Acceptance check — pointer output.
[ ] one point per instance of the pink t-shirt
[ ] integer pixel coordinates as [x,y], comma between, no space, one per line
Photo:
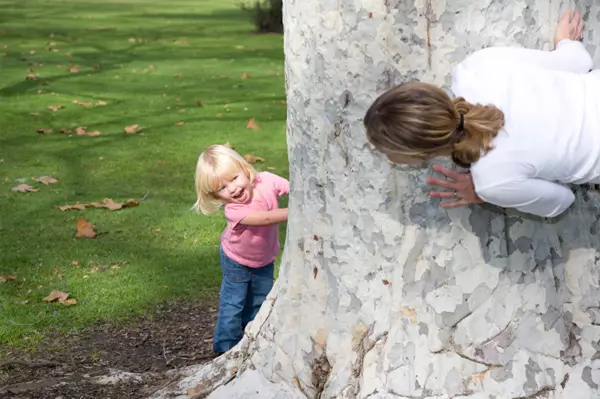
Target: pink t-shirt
[254,246]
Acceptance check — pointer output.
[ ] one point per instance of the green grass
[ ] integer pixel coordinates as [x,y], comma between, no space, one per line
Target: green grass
[149,61]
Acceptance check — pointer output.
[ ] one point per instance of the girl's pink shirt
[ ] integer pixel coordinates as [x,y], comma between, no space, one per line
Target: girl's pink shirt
[254,246]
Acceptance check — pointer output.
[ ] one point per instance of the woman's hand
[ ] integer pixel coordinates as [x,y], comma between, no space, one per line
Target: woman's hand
[461,188]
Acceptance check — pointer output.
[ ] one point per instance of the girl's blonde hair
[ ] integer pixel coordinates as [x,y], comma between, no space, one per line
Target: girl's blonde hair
[216,164]
[420,120]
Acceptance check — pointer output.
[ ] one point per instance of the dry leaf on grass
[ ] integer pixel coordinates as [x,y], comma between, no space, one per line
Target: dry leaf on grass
[66,131]
[85,228]
[83,104]
[74,69]
[69,207]
[22,188]
[252,159]
[101,103]
[31,76]
[132,129]
[252,124]
[199,103]
[107,203]
[61,297]
[55,107]
[82,131]
[46,180]
[179,123]
[4,279]
[245,75]
[44,131]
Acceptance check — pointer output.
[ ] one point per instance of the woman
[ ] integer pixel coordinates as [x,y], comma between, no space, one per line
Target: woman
[526,122]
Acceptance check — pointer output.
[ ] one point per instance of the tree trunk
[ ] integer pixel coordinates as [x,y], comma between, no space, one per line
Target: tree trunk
[382,294]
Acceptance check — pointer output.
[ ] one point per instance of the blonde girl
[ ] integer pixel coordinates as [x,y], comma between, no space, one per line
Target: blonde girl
[250,241]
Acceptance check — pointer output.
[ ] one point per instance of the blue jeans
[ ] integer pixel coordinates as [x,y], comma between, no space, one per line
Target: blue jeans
[243,290]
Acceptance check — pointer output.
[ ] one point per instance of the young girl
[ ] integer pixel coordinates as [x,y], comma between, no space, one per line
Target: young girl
[526,122]
[250,242]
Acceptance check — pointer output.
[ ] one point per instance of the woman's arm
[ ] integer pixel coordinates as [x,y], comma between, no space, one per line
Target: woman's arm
[535,196]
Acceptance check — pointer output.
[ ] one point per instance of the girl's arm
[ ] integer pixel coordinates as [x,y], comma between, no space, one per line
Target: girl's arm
[265,218]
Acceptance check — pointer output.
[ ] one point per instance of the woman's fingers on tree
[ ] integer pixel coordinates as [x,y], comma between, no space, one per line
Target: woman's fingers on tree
[442,194]
[453,204]
[442,183]
[447,172]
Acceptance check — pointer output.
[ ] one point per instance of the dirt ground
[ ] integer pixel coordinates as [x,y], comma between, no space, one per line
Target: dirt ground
[178,335]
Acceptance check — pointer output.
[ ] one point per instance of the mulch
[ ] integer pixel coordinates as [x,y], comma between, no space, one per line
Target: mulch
[177,335]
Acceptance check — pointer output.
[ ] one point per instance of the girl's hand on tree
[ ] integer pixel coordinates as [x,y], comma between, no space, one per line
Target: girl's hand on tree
[461,188]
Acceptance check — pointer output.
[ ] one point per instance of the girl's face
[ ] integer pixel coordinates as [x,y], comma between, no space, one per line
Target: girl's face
[237,190]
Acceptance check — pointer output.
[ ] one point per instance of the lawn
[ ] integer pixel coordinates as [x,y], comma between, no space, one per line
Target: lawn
[190,73]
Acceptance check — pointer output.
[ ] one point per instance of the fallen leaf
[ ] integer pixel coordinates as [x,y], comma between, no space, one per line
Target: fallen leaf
[199,103]
[76,206]
[178,75]
[252,124]
[385,282]
[4,279]
[240,47]
[131,129]
[115,267]
[75,263]
[245,75]
[61,296]
[55,107]
[31,76]
[107,203]
[22,188]
[132,40]
[82,131]
[32,52]
[179,123]
[74,69]
[85,228]
[89,104]
[46,180]
[101,103]
[252,159]
[66,131]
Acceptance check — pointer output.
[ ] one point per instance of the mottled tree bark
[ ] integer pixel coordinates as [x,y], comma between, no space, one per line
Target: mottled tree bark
[382,294]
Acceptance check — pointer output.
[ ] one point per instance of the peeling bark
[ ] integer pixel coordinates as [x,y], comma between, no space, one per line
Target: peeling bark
[382,294]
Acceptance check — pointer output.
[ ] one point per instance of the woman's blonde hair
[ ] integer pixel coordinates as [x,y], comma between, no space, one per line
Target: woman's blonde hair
[216,164]
[420,120]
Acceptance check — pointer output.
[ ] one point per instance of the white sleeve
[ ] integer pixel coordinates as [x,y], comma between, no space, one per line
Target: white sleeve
[535,196]
[569,56]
